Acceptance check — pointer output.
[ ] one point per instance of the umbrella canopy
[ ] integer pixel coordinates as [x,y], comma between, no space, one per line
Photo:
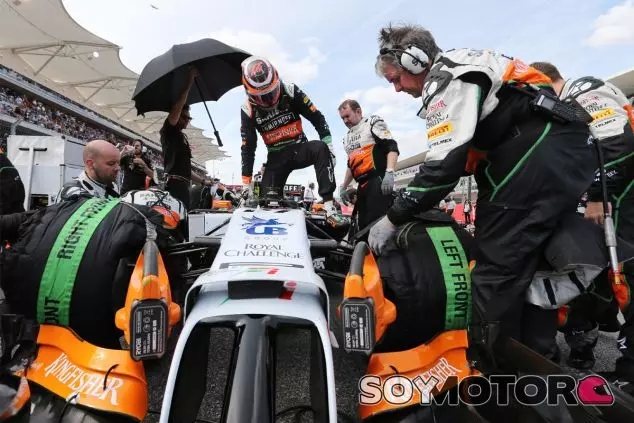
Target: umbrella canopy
[165,76]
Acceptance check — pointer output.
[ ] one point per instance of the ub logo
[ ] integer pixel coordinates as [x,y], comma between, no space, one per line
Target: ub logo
[259,226]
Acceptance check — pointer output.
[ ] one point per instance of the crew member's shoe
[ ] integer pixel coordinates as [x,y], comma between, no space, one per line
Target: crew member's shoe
[582,358]
[610,324]
[333,217]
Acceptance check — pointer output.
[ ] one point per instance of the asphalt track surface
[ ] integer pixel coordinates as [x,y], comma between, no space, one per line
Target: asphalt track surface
[292,386]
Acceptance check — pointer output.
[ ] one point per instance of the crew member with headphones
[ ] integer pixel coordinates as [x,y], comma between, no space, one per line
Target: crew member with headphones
[487,115]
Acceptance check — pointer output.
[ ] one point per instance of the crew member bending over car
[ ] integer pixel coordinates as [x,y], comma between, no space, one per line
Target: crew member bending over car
[483,116]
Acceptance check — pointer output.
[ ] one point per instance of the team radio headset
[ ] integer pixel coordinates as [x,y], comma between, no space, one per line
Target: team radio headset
[413,59]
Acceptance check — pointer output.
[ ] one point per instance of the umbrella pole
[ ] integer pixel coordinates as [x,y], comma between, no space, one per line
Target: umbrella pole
[208,114]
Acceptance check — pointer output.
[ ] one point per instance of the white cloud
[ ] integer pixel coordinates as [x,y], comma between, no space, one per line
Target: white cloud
[614,27]
[394,107]
[309,40]
[300,70]
[380,95]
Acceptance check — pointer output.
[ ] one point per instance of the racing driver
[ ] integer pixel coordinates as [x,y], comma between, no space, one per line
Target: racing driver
[274,109]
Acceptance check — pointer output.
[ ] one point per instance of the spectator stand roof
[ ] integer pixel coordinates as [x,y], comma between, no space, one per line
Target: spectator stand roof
[41,41]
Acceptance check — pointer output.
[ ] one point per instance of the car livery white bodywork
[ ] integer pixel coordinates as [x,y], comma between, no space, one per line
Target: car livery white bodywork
[260,246]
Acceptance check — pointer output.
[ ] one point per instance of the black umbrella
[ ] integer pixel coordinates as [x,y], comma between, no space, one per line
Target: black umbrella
[165,76]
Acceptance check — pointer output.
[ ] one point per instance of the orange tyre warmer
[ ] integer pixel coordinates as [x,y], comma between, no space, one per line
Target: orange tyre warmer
[444,357]
[97,378]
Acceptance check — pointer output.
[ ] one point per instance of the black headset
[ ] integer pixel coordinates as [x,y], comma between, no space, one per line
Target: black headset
[413,59]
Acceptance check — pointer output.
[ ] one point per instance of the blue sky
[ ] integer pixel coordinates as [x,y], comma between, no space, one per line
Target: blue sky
[328,48]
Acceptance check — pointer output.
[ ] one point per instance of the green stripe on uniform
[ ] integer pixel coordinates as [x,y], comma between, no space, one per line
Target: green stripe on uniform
[434,188]
[455,269]
[521,162]
[56,287]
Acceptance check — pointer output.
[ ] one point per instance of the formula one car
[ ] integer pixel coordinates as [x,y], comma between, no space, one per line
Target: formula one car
[261,283]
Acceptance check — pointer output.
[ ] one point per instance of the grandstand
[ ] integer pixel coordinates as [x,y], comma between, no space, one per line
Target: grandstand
[58,78]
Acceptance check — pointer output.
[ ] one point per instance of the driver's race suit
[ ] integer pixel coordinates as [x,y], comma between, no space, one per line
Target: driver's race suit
[367,145]
[530,169]
[288,148]
[613,127]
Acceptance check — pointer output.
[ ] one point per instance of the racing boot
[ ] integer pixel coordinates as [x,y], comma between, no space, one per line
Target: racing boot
[610,326]
[333,217]
[609,319]
[582,343]
[582,358]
